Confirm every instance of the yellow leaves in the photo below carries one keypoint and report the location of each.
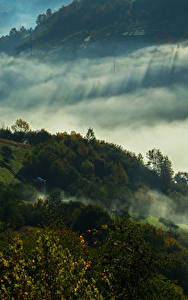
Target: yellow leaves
(51, 271)
(170, 242)
(20, 125)
(29, 282)
(116, 244)
(4, 262)
(88, 265)
(106, 279)
(105, 227)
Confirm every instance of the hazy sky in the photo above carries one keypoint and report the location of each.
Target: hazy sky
(15, 13)
(142, 105)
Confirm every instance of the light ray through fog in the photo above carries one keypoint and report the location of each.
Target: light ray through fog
(141, 105)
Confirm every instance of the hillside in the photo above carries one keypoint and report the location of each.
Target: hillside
(91, 221)
(87, 168)
(11, 160)
(85, 22)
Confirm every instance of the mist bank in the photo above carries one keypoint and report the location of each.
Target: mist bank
(141, 205)
(137, 99)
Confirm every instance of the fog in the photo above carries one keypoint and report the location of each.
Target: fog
(137, 100)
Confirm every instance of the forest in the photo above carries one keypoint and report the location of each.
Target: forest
(75, 217)
(85, 22)
(89, 21)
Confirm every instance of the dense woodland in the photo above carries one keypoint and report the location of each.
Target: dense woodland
(84, 22)
(89, 21)
(78, 232)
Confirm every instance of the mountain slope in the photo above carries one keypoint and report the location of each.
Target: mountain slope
(87, 21)
(11, 160)
(83, 22)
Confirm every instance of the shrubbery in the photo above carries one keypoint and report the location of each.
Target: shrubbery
(61, 266)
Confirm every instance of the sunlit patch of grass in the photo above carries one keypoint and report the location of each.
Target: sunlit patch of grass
(153, 221)
(183, 226)
(7, 177)
(13, 165)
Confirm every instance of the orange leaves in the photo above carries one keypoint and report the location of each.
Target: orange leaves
(159, 232)
(82, 240)
(103, 276)
(88, 265)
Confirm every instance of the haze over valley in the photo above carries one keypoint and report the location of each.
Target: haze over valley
(138, 100)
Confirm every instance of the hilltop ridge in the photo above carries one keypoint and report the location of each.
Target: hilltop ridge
(84, 22)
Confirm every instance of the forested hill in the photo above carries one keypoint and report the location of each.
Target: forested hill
(86, 21)
(87, 168)
(65, 236)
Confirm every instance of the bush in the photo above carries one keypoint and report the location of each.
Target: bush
(52, 272)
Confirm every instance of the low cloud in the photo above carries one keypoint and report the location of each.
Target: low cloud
(138, 100)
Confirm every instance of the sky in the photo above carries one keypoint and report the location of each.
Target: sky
(23, 12)
(140, 104)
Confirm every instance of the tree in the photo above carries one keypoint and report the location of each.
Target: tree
(48, 12)
(162, 166)
(51, 272)
(54, 204)
(181, 178)
(13, 32)
(91, 216)
(21, 126)
(23, 29)
(41, 19)
(90, 136)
